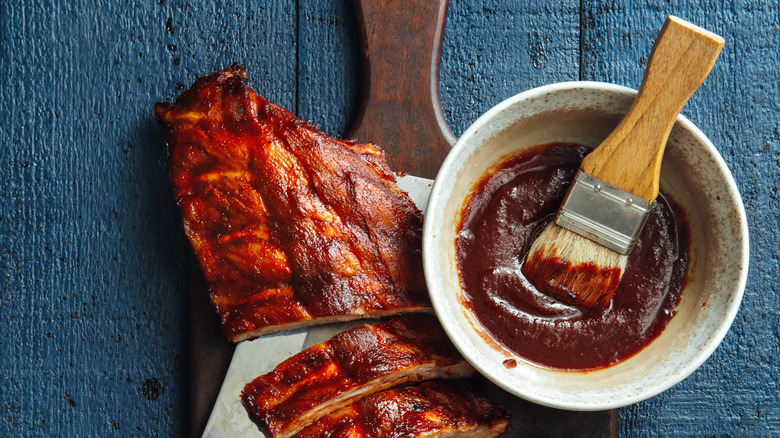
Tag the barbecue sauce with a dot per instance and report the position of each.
(505, 214)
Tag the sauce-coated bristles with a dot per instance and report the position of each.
(574, 269)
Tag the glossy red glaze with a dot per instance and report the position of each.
(429, 409)
(504, 216)
(351, 365)
(290, 226)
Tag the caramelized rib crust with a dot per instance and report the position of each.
(433, 409)
(290, 226)
(335, 373)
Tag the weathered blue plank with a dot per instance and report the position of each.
(495, 49)
(93, 272)
(328, 87)
(93, 259)
(491, 51)
(735, 393)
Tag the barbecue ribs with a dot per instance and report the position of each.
(291, 227)
(433, 409)
(355, 363)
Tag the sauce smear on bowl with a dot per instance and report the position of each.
(505, 214)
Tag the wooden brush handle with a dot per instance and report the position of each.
(401, 111)
(630, 157)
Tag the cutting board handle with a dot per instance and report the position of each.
(401, 109)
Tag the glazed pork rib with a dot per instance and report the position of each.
(432, 409)
(333, 374)
(291, 227)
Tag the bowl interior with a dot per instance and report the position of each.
(695, 176)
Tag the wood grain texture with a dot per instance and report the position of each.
(494, 49)
(400, 46)
(328, 65)
(94, 265)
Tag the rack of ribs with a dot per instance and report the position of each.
(353, 364)
(432, 409)
(290, 226)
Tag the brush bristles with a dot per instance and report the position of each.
(574, 269)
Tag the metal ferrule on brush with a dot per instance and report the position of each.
(603, 213)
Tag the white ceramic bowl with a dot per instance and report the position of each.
(693, 173)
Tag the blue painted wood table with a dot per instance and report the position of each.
(95, 267)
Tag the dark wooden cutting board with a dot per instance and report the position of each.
(400, 111)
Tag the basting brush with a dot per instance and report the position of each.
(580, 257)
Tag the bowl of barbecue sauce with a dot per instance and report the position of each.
(499, 187)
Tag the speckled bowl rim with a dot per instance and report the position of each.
(454, 323)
